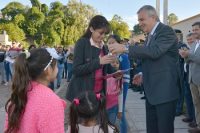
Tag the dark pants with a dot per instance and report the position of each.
(160, 118)
(189, 102)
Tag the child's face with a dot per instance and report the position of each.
(111, 41)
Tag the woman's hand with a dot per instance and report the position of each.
(107, 59)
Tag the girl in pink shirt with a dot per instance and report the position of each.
(33, 107)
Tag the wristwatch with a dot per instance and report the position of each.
(126, 49)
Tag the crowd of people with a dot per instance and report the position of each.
(99, 75)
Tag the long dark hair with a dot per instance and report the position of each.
(89, 107)
(97, 22)
(26, 68)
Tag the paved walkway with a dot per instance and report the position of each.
(135, 108)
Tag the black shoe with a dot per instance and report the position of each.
(188, 120)
(195, 130)
(192, 124)
(143, 98)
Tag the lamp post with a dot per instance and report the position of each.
(165, 11)
(158, 7)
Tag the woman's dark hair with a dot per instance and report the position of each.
(25, 69)
(116, 37)
(88, 108)
(97, 22)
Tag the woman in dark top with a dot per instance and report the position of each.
(91, 60)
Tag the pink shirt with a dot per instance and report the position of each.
(44, 111)
(112, 92)
(98, 85)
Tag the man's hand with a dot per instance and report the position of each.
(183, 53)
(137, 79)
(116, 48)
(119, 115)
(107, 59)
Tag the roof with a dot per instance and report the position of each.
(198, 15)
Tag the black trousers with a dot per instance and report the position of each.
(160, 118)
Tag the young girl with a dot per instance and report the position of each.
(33, 107)
(123, 65)
(88, 114)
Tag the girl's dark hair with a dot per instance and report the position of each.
(25, 70)
(89, 107)
(116, 37)
(97, 22)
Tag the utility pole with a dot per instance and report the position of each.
(158, 7)
(165, 11)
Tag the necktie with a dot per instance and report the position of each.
(148, 39)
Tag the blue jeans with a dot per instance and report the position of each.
(8, 71)
(188, 101)
(59, 75)
(112, 114)
(123, 122)
(65, 64)
(2, 71)
(69, 71)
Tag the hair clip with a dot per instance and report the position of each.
(98, 96)
(76, 101)
(28, 54)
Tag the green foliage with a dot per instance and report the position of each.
(172, 18)
(14, 32)
(119, 27)
(44, 9)
(36, 3)
(56, 5)
(12, 9)
(34, 20)
(137, 30)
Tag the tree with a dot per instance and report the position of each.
(14, 32)
(77, 17)
(12, 9)
(172, 18)
(36, 3)
(119, 27)
(137, 30)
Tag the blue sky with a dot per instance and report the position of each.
(127, 8)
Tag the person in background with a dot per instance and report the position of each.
(60, 65)
(70, 58)
(190, 118)
(88, 114)
(31, 47)
(192, 57)
(7, 67)
(33, 107)
(2, 67)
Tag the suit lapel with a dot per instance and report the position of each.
(155, 33)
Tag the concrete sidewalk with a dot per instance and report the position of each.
(135, 110)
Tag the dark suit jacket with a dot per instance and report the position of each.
(86, 62)
(159, 65)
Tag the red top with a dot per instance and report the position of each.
(99, 81)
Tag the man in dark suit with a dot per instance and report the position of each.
(160, 70)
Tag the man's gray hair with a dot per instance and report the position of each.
(150, 10)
